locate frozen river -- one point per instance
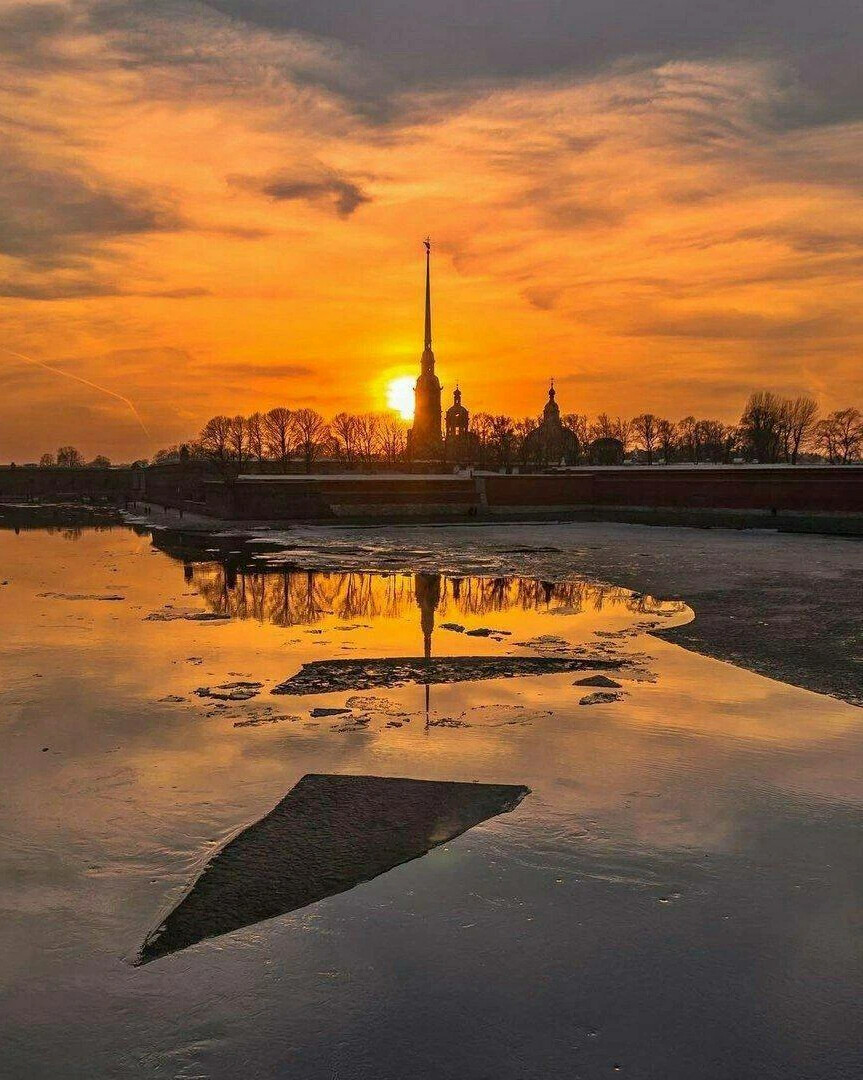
(655, 874)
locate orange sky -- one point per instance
(206, 215)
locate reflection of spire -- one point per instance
(427, 593)
(428, 336)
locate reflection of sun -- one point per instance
(400, 396)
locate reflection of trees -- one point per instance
(304, 597)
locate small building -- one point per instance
(552, 442)
(460, 444)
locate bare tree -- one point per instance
(69, 458)
(840, 435)
(761, 426)
(579, 425)
(277, 435)
(524, 428)
(393, 436)
(481, 428)
(666, 439)
(309, 430)
(800, 416)
(603, 428)
(343, 427)
(256, 438)
(100, 461)
(46, 461)
(238, 440)
(687, 438)
(710, 437)
(623, 432)
(501, 439)
(645, 430)
(166, 455)
(367, 432)
(215, 442)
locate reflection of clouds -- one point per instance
(302, 598)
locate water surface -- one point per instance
(678, 895)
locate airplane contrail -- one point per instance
(86, 382)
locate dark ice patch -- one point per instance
(327, 835)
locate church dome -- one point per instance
(457, 411)
(551, 412)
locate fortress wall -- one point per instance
(772, 488)
(26, 483)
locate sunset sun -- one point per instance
(400, 396)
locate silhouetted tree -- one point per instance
(645, 430)
(100, 462)
(797, 425)
(46, 461)
(68, 457)
(523, 429)
(579, 425)
(501, 439)
(666, 439)
(367, 430)
(277, 435)
(393, 436)
(215, 441)
(603, 428)
(343, 428)
(238, 440)
(687, 438)
(481, 428)
(840, 435)
(761, 427)
(256, 438)
(309, 431)
(710, 440)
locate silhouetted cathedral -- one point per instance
(425, 435)
(551, 442)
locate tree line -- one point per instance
(771, 429)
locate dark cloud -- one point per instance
(53, 215)
(320, 186)
(734, 325)
(60, 287)
(29, 34)
(177, 294)
(438, 42)
(56, 288)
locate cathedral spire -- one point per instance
(428, 337)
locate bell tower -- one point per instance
(426, 430)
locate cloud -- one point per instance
(30, 34)
(434, 43)
(733, 325)
(276, 370)
(189, 293)
(52, 214)
(318, 185)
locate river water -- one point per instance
(677, 894)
